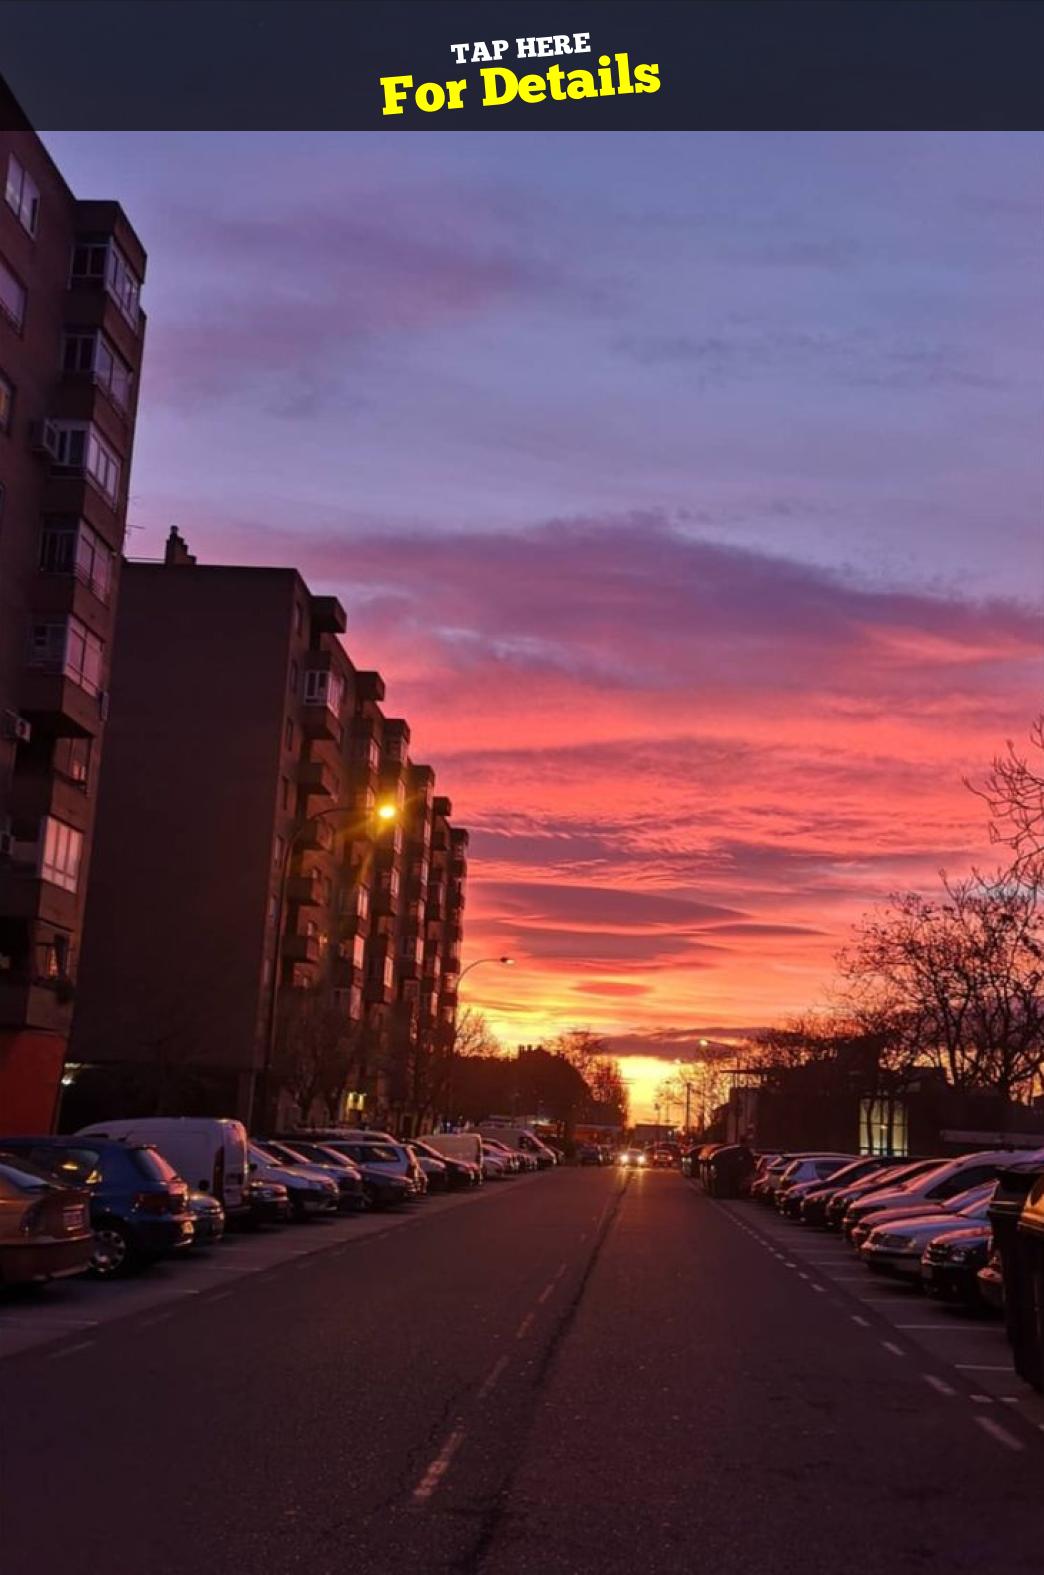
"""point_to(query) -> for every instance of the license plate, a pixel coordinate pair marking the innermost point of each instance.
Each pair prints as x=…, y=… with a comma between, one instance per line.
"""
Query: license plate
x=73, y=1219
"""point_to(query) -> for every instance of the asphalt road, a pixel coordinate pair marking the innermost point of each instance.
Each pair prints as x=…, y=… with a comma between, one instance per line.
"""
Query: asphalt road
x=578, y=1372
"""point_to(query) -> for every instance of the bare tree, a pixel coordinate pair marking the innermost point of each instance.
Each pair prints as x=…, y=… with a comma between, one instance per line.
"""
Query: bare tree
x=1014, y=794
x=316, y=1051
x=959, y=980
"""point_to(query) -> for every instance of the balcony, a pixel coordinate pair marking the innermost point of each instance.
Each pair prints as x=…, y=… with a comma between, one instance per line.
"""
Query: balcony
x=316, y=834
x=305, y=888
x=28, y=1003
x=58, y=704
x=317, y=780
x=298, y=948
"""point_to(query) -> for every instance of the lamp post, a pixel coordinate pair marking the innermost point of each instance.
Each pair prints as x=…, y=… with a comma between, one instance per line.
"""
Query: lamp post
x=506, y=962
x=385, y=814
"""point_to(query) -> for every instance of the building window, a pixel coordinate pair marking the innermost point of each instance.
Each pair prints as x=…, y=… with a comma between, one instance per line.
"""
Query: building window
x=6, y=403
x=55, y=956
x=92, y=354
x=298, y=618
x=60, y=849
x=67, y=646
x=324, y=688
x=12, y=296
x=104, y=260
x=288, y=789
x=22, y=194
x=288, y=733
x=72, y=760
x=74, y=548
x=295, y=673
x=81, y=447
x=278, y=852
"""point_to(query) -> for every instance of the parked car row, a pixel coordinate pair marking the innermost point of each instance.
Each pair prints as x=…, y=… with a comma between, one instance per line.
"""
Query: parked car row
x=119, y=1195
x=969, y=1229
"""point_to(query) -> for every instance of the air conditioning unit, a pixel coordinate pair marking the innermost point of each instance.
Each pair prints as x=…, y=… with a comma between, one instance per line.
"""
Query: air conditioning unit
x=46, y=438
x=16, y=727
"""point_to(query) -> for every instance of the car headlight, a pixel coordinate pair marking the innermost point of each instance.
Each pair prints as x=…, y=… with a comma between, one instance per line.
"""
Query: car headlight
x=957, y=1254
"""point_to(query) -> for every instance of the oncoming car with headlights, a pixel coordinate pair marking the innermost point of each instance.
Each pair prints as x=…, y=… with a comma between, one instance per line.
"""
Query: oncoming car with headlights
x=633, y=1158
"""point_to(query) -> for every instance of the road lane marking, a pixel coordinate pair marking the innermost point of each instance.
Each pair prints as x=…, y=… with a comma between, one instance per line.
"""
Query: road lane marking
x=890, y=1345
x=525, y=1326
x=939, y=1386
x=820, y=1288
x=959, y=1327
x=856, y=1319
x=438, y=1468
x=549, y=1290
x=982, y=1399
x=561, y=1270
x=81, y=1345
x=803, y=1276
x=492, y=1378
x=981, y=1367
x=1000, y=1433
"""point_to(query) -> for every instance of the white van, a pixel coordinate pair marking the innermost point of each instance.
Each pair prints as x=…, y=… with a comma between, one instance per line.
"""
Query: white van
x=520, y=1138
x=456, y=1145
x=210, y=1153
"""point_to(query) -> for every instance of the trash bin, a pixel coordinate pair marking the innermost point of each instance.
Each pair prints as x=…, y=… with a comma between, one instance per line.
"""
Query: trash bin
x=1014, y=1184
x=730, y=1167
x=1029, y=1354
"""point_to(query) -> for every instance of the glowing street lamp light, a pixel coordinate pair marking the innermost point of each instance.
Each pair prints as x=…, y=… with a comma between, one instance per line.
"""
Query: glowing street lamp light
x=507, y=962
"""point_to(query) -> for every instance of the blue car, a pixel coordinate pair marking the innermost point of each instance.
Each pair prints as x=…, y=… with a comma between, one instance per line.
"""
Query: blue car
x=138, y=1204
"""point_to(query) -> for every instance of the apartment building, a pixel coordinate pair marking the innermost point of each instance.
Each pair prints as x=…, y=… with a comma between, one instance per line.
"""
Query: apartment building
x=247, y=946
x=71, y=333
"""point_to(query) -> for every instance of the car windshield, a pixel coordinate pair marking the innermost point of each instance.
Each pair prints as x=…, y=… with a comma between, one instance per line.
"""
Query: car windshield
x=267, y=1155
x=374, y=1154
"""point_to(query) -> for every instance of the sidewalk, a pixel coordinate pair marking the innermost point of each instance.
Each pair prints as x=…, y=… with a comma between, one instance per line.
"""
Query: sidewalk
x=39, y=1315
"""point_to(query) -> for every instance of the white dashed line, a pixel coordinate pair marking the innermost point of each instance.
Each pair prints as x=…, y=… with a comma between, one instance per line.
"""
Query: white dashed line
x=980, y=1367
x=524, y=1327
x=69, y=1350
x=864, y=1322
x=999, y=1433
x=939, y=1386
x=492, y=1378
x=896, y=1350
x=438, y=1468
x=549, y=1290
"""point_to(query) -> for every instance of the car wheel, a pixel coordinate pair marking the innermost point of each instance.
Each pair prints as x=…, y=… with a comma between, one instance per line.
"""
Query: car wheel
x=113, y=1254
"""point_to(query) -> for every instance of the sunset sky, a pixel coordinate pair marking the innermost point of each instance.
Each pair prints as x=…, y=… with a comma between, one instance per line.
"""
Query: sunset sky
x=686, y=489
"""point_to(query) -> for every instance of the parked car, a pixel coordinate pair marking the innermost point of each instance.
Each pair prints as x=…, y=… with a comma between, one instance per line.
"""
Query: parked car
x=587, y=1154
x=384, y=1187
x=338, y=1168
x=521, y=1138
x=208, y=1218
x=465, y=1146
x=890, y=1176
x=767, y=1181
x=814, y=1167
x=951, y=1263
x=897, y=1243
x=935, y=1185
x=661, y=1157
x=434, y=1168
x=268, y=1203
x=512, y=1161
x=45, y=1232
x=385, y=1151
x=311, y=1193
x=813, y=1198
x=459, y=1173
x=208, y=1152
x=138, y=1203
x=898, y=1213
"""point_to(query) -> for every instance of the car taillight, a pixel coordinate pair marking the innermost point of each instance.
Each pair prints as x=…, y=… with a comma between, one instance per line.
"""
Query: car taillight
x=157, y=1202
x=32, y=1218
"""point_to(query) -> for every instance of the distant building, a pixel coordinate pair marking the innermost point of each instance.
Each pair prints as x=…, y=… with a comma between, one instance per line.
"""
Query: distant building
x=71, y=331
x=243, y=740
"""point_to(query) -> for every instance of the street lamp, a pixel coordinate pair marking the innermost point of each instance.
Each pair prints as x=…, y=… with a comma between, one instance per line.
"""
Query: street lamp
x=506, y=962
x=385, y=814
